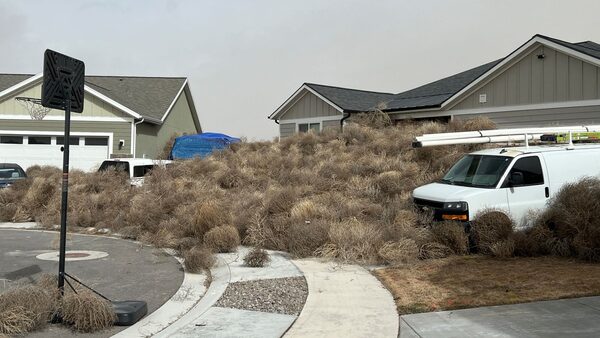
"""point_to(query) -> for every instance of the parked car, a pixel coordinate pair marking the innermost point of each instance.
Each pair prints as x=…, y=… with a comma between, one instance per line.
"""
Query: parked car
x=514, y=180
x=135, y=168
x=9, y=173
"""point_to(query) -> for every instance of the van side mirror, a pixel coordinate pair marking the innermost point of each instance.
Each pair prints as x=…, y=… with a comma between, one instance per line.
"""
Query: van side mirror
x=516, y=179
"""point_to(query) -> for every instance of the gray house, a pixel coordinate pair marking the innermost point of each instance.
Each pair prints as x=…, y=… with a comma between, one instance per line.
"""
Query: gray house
x=123, y=116
x=544, y=82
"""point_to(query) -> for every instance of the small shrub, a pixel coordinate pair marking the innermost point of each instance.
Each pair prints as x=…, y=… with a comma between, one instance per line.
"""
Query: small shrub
x=25, y=309
x=210, y=215
x=473, y=124
x=503, y=249
x=198, y=259
x=452, y=235
x=256, y=258
x=401, y=252
x=222, y=239
x=352, y=241
x=490, y=227
x=303, y=239
x=87, y=312
x=434, y=250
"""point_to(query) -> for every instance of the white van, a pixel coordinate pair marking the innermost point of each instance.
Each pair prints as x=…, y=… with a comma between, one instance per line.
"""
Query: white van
x=515, y=180
x=136, y=168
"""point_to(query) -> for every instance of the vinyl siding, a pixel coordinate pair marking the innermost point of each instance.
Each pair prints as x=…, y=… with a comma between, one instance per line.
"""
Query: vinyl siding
x=287, y=129
x=588, y=115
x=120, y=130
x=151, y=139
x=555, y=78
x=93, y=107
x=309, y=105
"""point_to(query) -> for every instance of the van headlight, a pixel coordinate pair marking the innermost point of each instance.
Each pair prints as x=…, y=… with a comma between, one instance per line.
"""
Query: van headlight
x=456, y=206
x=455, y=211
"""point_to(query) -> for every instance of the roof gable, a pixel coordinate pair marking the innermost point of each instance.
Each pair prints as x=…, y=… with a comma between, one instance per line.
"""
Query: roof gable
x=150, y=98
x=584, y=51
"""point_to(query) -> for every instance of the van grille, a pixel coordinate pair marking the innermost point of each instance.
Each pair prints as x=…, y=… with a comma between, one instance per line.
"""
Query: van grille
x=427, y=203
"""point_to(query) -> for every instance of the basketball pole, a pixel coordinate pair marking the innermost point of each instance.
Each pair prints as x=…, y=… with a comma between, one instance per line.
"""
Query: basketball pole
x=65, y=191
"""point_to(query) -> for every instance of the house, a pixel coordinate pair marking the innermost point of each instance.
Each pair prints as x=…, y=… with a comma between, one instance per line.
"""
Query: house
x=543, y=82
x=123, y=116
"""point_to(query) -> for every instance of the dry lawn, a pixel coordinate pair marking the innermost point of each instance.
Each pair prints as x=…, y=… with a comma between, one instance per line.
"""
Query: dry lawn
x=472, y=281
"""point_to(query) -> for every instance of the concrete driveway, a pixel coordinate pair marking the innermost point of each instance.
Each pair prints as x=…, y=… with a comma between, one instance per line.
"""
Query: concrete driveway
x=578, y=317
x=123, y=270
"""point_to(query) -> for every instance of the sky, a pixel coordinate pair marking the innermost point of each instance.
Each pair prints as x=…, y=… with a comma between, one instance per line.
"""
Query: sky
x=244, y=58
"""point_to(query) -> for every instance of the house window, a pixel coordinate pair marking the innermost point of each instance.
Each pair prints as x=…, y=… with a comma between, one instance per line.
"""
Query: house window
x=11, y=139
x=305, y=127
x=39, y=139
x=74, y=141
x=96, y=141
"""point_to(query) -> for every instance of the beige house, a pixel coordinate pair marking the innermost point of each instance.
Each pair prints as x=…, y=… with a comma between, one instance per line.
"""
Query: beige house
x=544, y=82
x=123, y=116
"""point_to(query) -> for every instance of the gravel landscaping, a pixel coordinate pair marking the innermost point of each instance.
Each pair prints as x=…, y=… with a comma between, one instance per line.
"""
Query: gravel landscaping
x=279, y=295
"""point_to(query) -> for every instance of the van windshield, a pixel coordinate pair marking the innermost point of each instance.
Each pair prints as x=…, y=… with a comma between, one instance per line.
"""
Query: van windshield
x=483, y=171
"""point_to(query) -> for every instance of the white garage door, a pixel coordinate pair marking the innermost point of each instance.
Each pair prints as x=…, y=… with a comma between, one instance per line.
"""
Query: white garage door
x=86, y=152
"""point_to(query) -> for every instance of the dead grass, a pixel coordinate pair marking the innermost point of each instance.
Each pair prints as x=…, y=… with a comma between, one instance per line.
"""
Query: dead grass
x=26, y=309
x=338, y=194
x=86, y=312
x=472, y=281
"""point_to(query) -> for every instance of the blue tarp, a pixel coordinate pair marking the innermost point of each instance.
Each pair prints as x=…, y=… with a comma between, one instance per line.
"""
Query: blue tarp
x=200, y=145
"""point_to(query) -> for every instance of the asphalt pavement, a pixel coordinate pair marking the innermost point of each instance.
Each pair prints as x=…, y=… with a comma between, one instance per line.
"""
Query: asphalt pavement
x=118, y=269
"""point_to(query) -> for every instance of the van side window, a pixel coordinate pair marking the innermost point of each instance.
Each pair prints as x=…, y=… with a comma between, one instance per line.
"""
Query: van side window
x=531, y=169
x=142, y=170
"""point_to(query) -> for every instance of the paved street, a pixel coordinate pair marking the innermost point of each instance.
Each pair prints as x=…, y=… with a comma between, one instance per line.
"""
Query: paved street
x=129, y=271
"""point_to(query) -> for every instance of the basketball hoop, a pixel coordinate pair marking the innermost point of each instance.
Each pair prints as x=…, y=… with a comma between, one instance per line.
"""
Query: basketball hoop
x=34, y=107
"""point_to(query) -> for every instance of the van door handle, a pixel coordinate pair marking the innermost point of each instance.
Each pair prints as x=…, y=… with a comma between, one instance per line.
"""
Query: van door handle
x=547, y=190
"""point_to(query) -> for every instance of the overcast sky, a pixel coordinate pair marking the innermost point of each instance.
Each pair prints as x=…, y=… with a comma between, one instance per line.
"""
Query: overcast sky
x=245, y=57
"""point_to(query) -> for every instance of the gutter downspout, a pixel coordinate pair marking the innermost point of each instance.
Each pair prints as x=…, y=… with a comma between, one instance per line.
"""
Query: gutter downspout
x=276, y=121
x=344, y=119
x=134, y=142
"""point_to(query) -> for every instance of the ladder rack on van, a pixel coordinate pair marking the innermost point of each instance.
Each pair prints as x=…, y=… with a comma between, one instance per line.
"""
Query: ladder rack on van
x=552, y=134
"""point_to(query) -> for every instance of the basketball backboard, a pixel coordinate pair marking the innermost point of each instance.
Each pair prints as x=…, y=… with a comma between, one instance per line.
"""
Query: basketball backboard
x=62, y=74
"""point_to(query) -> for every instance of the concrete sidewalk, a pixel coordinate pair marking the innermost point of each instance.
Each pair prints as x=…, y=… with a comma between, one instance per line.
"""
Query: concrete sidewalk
x=207, y=320
x=344, y=301
x=579, y=317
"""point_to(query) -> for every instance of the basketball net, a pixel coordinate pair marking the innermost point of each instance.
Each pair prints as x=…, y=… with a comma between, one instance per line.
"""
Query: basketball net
x=34, y=107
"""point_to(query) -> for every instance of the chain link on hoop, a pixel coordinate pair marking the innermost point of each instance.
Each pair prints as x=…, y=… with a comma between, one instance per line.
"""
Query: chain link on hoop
x=34, y=107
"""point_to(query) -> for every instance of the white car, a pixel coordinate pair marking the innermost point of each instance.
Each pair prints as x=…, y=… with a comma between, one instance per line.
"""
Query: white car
x=136, y=168
x=514, y=180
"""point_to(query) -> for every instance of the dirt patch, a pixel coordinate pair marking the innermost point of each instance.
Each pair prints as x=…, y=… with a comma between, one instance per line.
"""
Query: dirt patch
x=472, y=281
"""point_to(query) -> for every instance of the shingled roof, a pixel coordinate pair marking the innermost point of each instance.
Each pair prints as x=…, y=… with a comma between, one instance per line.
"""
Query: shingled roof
x=9, y=80
x=149, y=97
x=435, y=93
x=352, y=100
x=431, y=95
